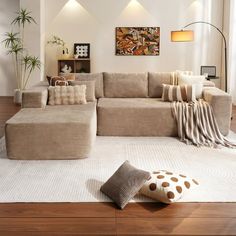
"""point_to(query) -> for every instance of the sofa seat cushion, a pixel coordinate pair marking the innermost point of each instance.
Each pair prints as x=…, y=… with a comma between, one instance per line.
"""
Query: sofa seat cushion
x=135, y=117
x=56, y=132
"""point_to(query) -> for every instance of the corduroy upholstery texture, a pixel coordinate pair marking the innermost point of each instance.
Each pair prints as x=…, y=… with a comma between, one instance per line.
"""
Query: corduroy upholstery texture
x=135, y=117
x=36, y=97
x=221, y=104
x=56, y=132
x=155, y=81
x=67, y=131
x=125, y=85
x=90, y=88
x=97, y=77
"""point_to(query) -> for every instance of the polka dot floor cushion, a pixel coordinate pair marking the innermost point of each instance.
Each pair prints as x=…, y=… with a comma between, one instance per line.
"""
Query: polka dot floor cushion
x=167, y=187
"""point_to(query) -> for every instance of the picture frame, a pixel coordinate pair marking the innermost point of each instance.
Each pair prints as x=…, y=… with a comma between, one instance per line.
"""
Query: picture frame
x=209, y=70
x=137, y=41
x=81, y=50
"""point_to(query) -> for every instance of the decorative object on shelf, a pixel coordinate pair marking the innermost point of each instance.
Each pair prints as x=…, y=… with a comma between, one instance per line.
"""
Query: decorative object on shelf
x=81, y=50
x=24, y=63
x=209, y=70
x=74, y=65
x=55, y=40
x=66, y=69
x=137, y=41
x=188, y=35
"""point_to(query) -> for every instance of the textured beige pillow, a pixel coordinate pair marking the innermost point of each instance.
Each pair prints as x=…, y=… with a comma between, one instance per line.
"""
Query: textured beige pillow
x=90, y=89
x=167, y=187
x=180, y=93
x=67, y=95
x=124, y=184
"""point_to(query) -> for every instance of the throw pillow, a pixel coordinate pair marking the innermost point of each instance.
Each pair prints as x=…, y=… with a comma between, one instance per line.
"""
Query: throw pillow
x=53, y=80
x=124, y=184
x=167, y=187
x=197, y=80
x=176, y=75
x=180, y=93
x=90, y=89
x=67, y=95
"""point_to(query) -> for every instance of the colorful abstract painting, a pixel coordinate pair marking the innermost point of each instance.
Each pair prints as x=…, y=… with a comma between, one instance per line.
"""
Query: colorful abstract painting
x=138, y=41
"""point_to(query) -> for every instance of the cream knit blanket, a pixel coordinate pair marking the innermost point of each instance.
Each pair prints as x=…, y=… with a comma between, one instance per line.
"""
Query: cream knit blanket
x=197, y=125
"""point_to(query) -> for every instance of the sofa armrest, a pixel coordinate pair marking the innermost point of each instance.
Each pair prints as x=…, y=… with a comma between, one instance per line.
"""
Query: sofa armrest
x=35, y=97
x=221, y=103
x=208, y=83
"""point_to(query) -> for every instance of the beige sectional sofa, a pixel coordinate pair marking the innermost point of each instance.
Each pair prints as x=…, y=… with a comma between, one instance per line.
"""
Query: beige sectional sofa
x=127, y=105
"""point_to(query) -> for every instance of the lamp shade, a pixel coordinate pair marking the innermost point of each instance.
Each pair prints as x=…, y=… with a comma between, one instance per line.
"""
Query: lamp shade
x=182, y=36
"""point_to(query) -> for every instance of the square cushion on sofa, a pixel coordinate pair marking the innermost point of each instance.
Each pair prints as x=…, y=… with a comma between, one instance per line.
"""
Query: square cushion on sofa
x=155, y=81
x=97, y=77
x=125, y=85
x=124, y=184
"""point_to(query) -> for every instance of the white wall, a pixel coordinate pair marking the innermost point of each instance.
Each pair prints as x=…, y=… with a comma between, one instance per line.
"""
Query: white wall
x=7, y=75
x=94, y=21
x=34, y=35
x=232, y=52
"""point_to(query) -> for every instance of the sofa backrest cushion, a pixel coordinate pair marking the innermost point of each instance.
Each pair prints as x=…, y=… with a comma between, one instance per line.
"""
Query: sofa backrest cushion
x=90, y=88
x=125, y=85
x=156, y=81
x=97, y=77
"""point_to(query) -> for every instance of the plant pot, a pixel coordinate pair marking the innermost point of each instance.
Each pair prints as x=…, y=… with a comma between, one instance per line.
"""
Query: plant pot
x=18, y=96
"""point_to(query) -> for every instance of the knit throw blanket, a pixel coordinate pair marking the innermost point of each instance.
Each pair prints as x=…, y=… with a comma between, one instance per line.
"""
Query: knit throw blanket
x=197, y=125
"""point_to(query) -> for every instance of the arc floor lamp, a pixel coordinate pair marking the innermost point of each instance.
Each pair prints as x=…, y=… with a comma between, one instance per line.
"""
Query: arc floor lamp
x=188, y=36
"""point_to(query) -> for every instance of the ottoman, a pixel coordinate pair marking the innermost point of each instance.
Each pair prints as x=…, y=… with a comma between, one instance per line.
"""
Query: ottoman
x=56, y=132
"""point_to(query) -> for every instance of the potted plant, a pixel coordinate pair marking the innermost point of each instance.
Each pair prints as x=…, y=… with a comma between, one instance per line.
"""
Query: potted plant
x=24, y=64
x=55, y=40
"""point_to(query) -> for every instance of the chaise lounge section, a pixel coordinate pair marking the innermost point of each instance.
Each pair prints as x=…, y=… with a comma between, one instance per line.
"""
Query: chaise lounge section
x=51, y=132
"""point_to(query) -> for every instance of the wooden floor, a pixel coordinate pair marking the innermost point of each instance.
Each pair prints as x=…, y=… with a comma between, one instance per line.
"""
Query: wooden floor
x=21, y=219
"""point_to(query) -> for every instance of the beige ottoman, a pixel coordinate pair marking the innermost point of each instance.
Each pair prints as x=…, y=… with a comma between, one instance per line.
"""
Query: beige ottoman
x=56, y=132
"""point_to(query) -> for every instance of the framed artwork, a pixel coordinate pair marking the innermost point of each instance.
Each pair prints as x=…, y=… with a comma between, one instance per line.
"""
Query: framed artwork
x=138, y=41
x=81, y=50
x=209, y=70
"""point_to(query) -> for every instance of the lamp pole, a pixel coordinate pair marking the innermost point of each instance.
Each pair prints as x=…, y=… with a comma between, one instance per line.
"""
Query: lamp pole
x=225, y=45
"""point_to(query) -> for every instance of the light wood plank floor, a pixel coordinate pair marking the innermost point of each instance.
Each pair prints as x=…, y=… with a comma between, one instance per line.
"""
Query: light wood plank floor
x=55, y=219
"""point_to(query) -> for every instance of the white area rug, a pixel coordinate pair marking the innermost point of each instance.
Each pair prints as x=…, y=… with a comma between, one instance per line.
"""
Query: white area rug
x=80, y=180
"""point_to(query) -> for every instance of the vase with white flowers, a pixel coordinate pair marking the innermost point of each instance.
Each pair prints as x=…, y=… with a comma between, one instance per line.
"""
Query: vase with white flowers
x=57, y=41
x=24, y=63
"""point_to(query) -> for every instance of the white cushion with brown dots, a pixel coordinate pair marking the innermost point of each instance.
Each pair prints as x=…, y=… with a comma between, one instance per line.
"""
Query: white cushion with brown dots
x=166, y=186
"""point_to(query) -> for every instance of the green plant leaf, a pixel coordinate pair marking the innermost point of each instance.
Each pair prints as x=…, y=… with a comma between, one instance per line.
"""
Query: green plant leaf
x=23, y=17
x=11, y=39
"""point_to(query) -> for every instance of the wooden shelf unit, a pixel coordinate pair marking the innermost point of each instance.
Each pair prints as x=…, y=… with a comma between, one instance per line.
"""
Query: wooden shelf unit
x=81, y=65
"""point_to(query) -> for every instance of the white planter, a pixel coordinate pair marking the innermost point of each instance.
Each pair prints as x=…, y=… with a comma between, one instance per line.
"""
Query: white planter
x=17, y=96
